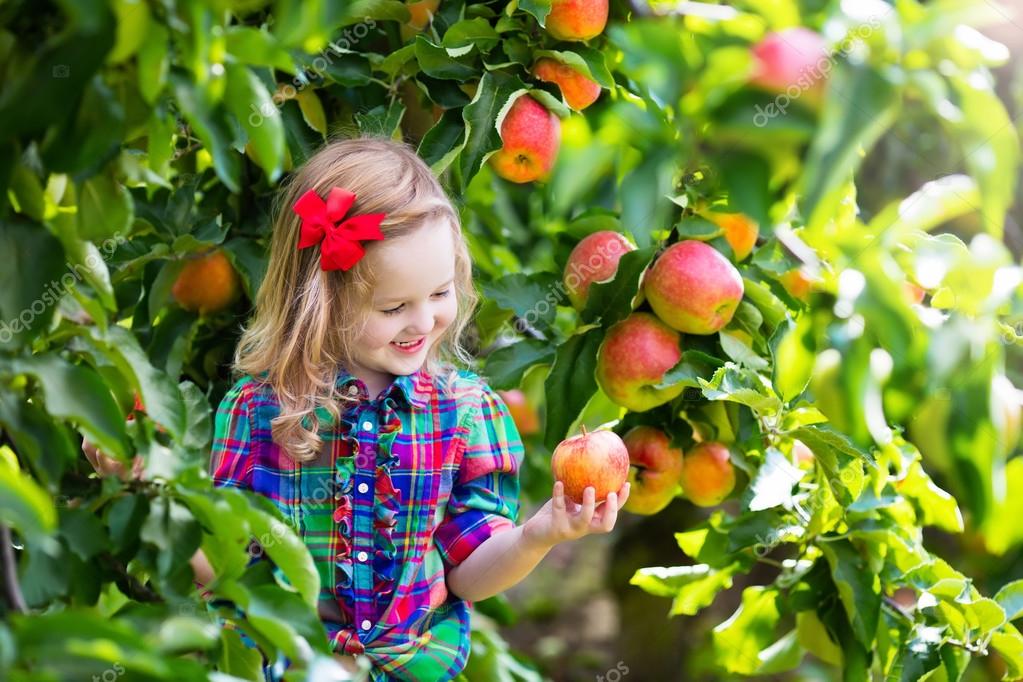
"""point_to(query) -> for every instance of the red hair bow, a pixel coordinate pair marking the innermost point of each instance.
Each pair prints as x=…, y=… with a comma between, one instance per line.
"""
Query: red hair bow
x=339, y=241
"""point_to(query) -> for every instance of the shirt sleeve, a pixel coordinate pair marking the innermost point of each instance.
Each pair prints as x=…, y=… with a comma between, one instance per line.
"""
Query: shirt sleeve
x=485, y=495
x=231, y=454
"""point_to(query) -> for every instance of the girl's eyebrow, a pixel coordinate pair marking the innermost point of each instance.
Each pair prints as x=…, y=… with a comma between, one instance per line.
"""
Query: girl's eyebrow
x=398, y=299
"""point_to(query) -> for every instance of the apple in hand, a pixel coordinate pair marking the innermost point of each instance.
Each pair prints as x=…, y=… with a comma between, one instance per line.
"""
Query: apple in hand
x=595, y=458
x=655, y=471
x=632, y=360
x=594, y=259
x=530, y=137
x=707, y=474
x=693, y=288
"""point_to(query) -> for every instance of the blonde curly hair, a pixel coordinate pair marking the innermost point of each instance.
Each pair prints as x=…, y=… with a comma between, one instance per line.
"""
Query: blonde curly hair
x=305, y=319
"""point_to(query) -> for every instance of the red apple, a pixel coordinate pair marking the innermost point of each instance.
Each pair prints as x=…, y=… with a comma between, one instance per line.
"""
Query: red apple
x=707, y=474
x=579, y=90
x=793, y=58
x=655, y=472
x=576, y=19
x=693, y=288
x=530, y=136
x=594, y=259
x=526, y=419
x=598, y=459
x=633, y=358
x=798, y=283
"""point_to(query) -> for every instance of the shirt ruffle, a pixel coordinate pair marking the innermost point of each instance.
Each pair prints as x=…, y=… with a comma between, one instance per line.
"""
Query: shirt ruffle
x=387, y=504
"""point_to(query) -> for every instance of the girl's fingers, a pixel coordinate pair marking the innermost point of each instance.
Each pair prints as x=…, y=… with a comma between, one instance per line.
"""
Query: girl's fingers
x=623, y=495
x=588, y=507
x=558, y=498
x=606, y=522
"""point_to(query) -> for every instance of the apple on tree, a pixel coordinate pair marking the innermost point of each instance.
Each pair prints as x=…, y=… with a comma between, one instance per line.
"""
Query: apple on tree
x=632, y=360
x=794, y=57
x=579, y=90
x=740, y=231
x=577, y=19
x=708, y=476
x=595, y=458
x=530, y=138
x=594, y=259
x=693, y=288
x=656, y=470
x=207, y=284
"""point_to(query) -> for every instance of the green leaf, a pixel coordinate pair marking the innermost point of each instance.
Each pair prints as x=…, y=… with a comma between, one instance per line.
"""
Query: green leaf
x=589, y=61
x=538, y=8
x=840, y=458
x=506, y=366
x=444, y=141
x=919, y=653
x=1009, y=644
x=935, y=203
x=470, y=33
x=742, y=386
x=44, y=444
x=533, y=298
x=212, y=129
x=643, y=192
x=256, y=47
x=437, y=62
x=250, y=102
x=286, y=550
x=1010, y=598
x=858, y=587
x=23, y=504
x=793, y=352
x=27, y=300
x=570, y=383
x=937, y=507
x=740, y=642
x=692, y=587
x=611, y=301
x=845, y=131
x=152, y=62
x=483, y=115
x=78, y=394
x=990, y=146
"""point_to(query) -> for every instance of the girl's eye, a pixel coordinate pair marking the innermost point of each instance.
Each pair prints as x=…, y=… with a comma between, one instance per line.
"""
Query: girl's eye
x=395, y=311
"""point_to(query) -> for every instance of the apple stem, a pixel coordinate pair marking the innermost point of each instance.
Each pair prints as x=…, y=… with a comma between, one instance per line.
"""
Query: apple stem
x=584, y=429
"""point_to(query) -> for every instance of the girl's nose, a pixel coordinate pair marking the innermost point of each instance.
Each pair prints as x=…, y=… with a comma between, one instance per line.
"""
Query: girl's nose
x=422, y=323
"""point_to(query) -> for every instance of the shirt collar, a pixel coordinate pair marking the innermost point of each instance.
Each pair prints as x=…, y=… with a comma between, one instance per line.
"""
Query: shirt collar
x=415, y=388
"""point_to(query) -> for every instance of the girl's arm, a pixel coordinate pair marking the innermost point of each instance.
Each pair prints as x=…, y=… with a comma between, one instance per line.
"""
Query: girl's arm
x=506, y=558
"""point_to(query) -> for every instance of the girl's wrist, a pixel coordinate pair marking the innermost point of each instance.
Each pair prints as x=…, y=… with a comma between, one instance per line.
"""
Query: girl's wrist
x=535, y=539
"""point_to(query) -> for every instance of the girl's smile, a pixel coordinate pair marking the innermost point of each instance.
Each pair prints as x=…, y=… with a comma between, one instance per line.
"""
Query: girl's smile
x=410, y=347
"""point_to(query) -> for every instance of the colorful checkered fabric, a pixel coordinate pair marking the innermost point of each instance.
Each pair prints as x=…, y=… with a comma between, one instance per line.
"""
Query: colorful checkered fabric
x=406, y=486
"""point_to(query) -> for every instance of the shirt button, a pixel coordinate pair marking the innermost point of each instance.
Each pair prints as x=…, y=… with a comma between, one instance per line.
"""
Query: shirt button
x=353, y=389
x=367, y=426
x=363, y=487
x=337, y=495
x=366, y=625
x=362, y=556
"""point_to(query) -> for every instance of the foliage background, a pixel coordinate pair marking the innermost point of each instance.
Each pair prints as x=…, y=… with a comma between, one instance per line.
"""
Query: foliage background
x=137, y=135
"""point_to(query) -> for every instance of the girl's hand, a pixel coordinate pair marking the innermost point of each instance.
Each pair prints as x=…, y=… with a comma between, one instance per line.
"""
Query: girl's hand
x=561, y=519
x=107, y=466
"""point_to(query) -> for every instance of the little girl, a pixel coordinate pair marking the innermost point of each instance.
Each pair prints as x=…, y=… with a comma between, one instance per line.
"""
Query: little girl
x=398, y=469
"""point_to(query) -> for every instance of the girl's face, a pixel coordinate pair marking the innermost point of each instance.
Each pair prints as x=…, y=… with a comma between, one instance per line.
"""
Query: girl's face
x=413, y=304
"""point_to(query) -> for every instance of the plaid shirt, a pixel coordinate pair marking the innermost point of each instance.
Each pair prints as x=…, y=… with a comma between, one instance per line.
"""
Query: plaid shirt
x=405, y=487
